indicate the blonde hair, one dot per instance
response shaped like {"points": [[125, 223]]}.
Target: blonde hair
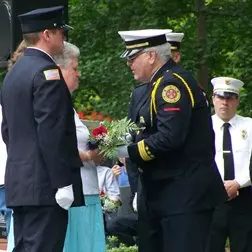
{"points": [[31, 38], [16, 55]]}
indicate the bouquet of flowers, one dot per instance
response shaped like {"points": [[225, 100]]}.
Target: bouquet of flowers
{"points": [[109, 136], [109, 205]]}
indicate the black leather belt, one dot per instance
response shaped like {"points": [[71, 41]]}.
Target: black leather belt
{"points": [[245, 190]]}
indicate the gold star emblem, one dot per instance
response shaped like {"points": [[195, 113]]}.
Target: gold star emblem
{"points": [[227, 82]]}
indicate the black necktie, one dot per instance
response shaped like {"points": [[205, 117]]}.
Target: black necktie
{"points": [[228, 153]]}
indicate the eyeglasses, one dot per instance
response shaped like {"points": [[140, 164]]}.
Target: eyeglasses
{"points": [[134, 56]]}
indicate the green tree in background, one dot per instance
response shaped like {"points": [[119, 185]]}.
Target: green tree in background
{"points": [[217, 42], [96, 25]]}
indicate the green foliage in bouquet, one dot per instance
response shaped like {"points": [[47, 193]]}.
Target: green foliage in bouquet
{"points": [[110, 135], [117, 135], [113, 245], [108, 204]]}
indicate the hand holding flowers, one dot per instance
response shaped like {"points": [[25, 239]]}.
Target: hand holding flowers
{"points": [[112, 138], [93, 155], [108, 204]]}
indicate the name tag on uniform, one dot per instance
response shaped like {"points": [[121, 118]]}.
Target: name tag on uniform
{"points": [[226, 151], [52, 74]]}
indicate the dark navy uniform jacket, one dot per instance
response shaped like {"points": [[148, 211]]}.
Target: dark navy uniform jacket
{"points": [[137, 97], [175, 151], [39, 131]]}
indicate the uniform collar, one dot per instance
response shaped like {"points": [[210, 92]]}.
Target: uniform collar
{"points": [[220, 122], [37, 51], [161, 70]]}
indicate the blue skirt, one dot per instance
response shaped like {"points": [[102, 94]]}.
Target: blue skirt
{"points": [[11, 245], [85, 230]]}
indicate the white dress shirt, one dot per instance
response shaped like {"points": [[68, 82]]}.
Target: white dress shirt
{"points": [[88, 171], [3, 153], [108, 183], [241, 136]]}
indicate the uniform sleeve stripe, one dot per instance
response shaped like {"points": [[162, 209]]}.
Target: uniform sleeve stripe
{"points": [[187, 87], [142, 151]]}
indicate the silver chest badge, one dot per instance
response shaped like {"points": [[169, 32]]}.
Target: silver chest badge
{"points": [[244, 134]]}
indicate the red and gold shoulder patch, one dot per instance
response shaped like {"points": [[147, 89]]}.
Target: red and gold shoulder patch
{"points": [[171, 94]]}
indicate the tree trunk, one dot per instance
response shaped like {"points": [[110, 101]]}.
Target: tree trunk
{"points": [[202, 67]]}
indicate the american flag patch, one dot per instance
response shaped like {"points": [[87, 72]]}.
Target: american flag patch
{"points": [[52, 74]]}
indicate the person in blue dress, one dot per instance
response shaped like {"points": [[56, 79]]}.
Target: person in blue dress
{"points": [[85, 231]]}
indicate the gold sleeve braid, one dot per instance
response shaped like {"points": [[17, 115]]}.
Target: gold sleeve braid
{"points": [[144, 151]]}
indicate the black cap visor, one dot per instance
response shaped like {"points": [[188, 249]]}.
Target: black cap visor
{"points": [[225, 94], [66, 27], [130, 53]]}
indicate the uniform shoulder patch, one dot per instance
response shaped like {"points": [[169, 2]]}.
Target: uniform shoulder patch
{"points": [[171, 94], [52, 74]]}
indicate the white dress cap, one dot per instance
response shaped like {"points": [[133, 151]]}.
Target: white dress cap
{"points": [[174, 36], [137, 40], [174, 39], [225, 85], [141, 34]]}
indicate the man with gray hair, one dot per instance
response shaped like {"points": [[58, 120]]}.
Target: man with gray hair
{"points": [[180, 182]]}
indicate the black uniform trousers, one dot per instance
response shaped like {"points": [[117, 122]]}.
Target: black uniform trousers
{"points": [[186, 232], [39, 229], [233, 220], [124, 228]]}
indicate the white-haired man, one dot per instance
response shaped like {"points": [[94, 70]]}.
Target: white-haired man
{"points": [[137, 94], [125, 227], [180, 181]]}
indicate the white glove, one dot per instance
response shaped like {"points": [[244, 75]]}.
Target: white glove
{"points": [[122, 151], [128, 138], [134, 203], [64, 197]]}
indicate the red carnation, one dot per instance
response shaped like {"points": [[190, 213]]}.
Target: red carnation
{"points": [[99, 131], [102, 193]]}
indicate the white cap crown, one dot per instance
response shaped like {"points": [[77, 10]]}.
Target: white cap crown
{"points": [[223, 85], [137, 40], [142, 34]]}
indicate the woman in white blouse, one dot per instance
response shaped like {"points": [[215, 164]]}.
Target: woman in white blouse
{"points": [[85, 231]]}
